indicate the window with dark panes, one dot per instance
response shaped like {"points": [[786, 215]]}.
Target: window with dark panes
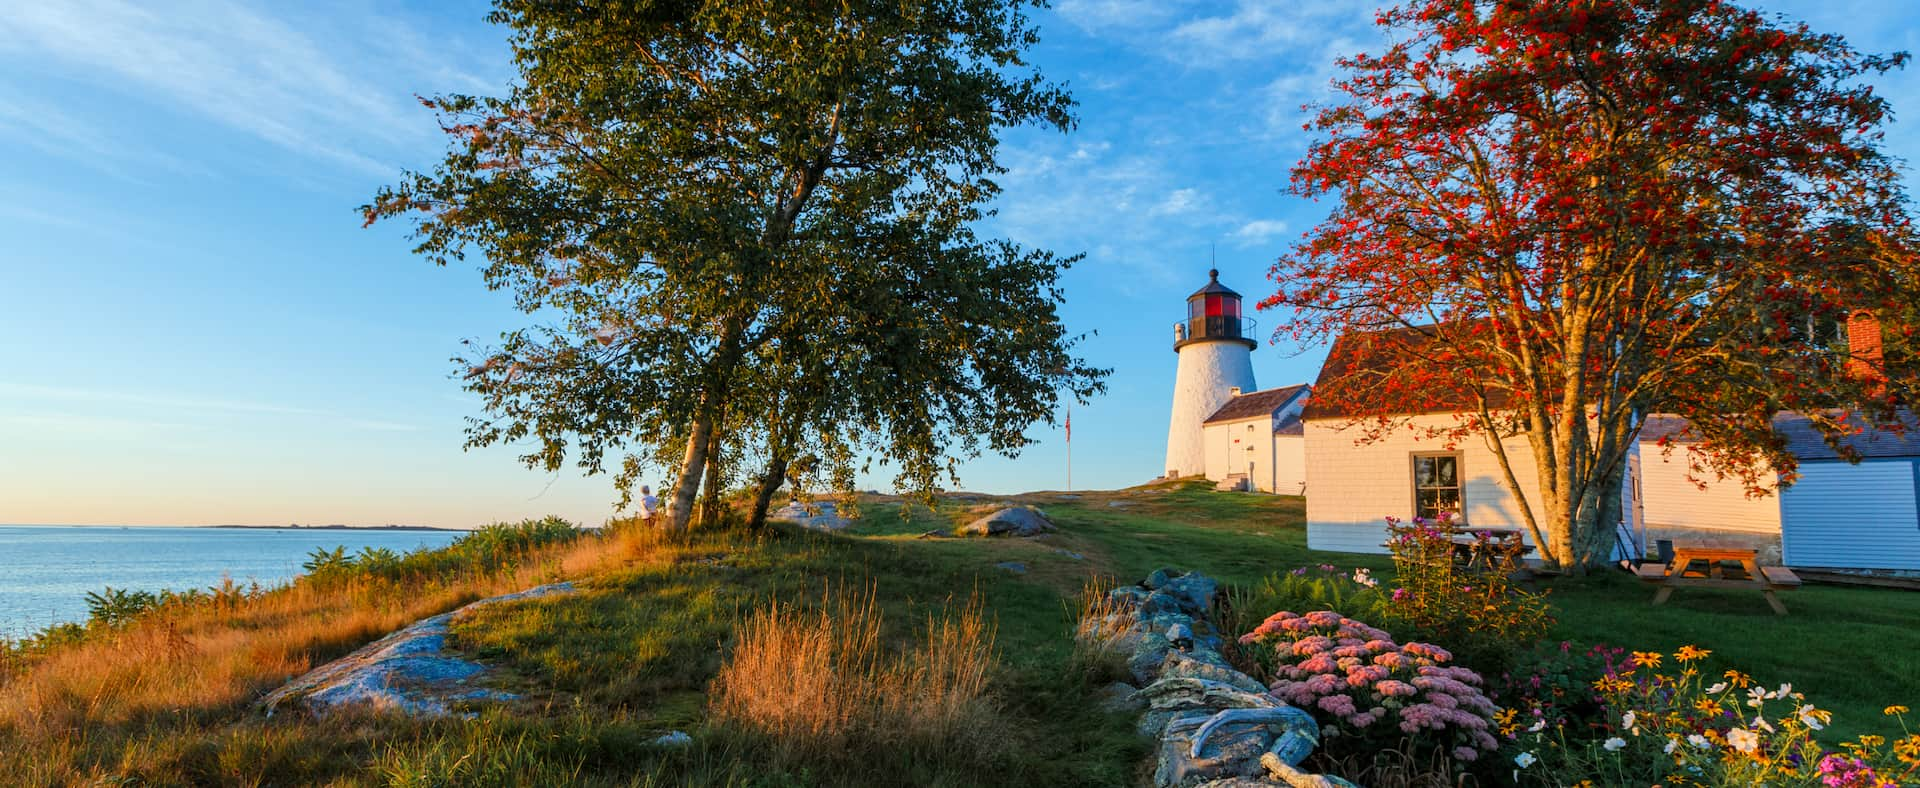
{"points": [[1436, 484]]}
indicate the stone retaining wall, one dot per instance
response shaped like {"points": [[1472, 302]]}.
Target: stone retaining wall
{"points": [[1215, 725]]}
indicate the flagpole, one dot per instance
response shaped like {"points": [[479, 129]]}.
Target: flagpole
{"points": [[1069, 445]]}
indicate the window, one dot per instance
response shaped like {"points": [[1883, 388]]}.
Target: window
{"points": [[1436, 484], [1213, 305]]}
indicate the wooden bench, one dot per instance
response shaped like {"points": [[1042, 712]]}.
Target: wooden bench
{"points": [[1705, 566]]}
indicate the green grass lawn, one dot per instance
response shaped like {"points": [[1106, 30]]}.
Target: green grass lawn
{"points": [[605, 671], [643, 644]]}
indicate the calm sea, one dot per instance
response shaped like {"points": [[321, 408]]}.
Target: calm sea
{"points": [[46, 571]]}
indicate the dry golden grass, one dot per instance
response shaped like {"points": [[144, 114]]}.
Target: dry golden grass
{"points": [[821, 681], [206, 664]]}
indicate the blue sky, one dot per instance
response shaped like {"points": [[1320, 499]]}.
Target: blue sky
{"points": [[194, 328]]}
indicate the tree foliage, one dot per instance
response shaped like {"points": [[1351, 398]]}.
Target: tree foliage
{"points": [[1586, 211], [745, 231]]}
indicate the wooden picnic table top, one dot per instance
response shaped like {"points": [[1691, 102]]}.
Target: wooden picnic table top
{"points": [[1715, 575], [1712, 552]]}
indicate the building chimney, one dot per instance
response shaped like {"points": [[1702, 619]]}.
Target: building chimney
{"points": [[1234, 391], [1865, 358]]}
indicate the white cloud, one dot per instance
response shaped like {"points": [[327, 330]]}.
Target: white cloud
{"points": [[1259, 231], [307, 85], [1179, 202], [179, 403]]}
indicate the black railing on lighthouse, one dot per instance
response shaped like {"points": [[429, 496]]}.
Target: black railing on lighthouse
{"points": [[1197, 329]]}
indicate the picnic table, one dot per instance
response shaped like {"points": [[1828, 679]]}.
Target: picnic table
{"points": [[1488, 548], [1718, 566]]}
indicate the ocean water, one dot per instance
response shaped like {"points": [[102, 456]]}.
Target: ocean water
{"points": [[46, 571]]}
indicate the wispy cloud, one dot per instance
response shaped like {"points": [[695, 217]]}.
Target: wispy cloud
{"points": [[1259, 231], [332, 98], [68, 395], [1180, 202]]}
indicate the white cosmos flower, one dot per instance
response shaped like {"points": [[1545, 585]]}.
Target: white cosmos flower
{"points": [[1698, 741], [1672, 744], [1538, 726], [1614, 744], [1809, 716], [1524, 760], [1717, 688], [1743, 740]]}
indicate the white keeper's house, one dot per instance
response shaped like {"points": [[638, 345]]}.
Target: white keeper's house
{"points": [[1222, 426], [1838, 516]]}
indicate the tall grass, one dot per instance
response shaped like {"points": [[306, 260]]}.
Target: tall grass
{"points": [[820, 683], [68, 710]]}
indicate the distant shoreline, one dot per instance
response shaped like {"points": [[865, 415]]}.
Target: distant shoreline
{"points": [[335, 527]]}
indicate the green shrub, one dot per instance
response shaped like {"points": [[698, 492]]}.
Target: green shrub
{"points": [[1477, 613]]}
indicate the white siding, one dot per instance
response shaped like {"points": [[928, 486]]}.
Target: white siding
{"points": [[1233, 445], [1353, 486], [1203, 380], [1672, 502], [1290, 464], [1852, 516]]}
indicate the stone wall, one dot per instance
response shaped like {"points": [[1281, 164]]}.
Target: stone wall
{"points": [[1215, 725]]}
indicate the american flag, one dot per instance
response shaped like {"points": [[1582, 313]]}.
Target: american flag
{"points": [[1069, 426]]}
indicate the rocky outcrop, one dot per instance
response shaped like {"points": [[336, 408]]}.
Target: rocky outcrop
{"points": [[820, 516], [1215, 725], [1011, 521], [410, 671]]}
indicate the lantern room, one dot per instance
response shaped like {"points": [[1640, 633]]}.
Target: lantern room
{"points": [[1213, 315]]}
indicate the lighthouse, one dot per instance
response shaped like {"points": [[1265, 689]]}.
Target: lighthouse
{"points": [[1216, 364]]}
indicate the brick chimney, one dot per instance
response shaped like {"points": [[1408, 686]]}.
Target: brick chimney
{"points": [[1866, 360]]}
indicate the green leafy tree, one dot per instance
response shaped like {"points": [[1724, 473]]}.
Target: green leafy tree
{"points": [[751, 217]]}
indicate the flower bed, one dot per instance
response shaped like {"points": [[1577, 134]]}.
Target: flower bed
{"points": [[1364, 686], [1687, 725]]}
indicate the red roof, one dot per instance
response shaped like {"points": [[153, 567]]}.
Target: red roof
{"points": [[1396, 372]]}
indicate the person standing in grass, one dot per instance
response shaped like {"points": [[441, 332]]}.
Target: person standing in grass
{"points": [[649, 506]]}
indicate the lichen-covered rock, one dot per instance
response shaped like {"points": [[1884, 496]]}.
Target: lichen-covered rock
{"points": [[409, 671], [1194, 590], [1230, 753], [1011, 521], [1015, 567], [1206, 665], [820, 516], [1148, 651], [1202, 745], [1170, 697]]}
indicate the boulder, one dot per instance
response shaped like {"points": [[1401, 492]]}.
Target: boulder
{"points": [[1194, 590], [1209, 666], [1012, 566], [1146, 653], [1232, 752], [673, 739], [1171, 697], [410, 671], [1202, 745], [820, 516], [1011, 521]]}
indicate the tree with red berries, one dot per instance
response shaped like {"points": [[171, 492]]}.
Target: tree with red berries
{"points": [[1589, 210]]}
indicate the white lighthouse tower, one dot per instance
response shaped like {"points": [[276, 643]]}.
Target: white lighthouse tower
{"points": [[1216, 362]]}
